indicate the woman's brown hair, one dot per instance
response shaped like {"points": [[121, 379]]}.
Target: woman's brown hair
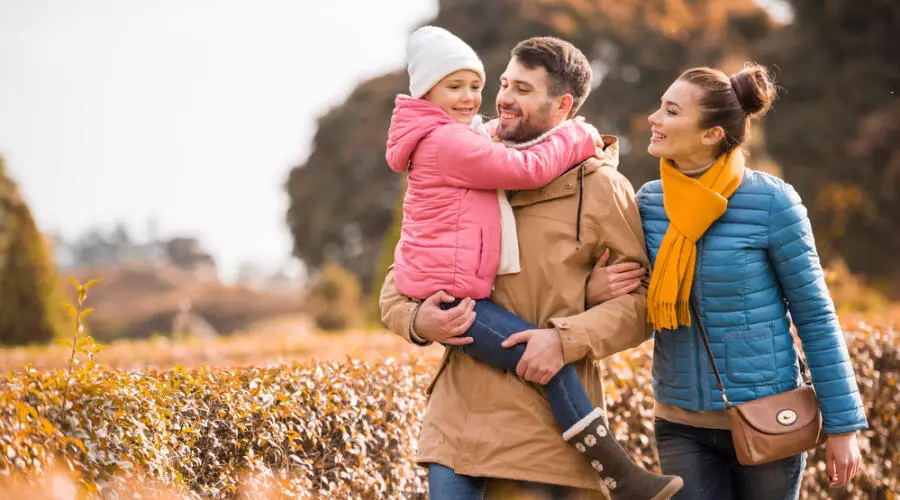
{"points": [[730, 102]]}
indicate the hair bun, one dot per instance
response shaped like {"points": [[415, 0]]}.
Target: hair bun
{"points": [[755, 89]]}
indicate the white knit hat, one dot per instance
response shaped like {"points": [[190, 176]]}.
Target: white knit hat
{"points": [[433, 53]]}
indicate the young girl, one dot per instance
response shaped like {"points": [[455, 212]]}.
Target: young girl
{"points": [[458, 231]]}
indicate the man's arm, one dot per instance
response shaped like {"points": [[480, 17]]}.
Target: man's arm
{"points": [[397, 309], [424, 322], [621, 323]]}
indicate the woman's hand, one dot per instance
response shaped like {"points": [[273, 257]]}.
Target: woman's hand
{"points": [[842, 459], [607, 283]]}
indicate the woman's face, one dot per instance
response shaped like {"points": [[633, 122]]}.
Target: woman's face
{"points": [[674, 127], [458, 94]]}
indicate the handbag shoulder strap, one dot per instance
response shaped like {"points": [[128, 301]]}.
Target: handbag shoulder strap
{"points": [[712, 359], [801, 357], [804, 369]]}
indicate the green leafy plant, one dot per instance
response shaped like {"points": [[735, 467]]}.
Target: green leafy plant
{"points": [[79, 343]]}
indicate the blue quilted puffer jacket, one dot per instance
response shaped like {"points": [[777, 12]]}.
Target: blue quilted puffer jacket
{"points": [[754, 265]]}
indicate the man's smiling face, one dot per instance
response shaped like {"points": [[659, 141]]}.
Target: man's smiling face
{"points": [[523, 103]]}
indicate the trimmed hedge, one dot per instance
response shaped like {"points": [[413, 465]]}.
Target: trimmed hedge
{"points": [[328, 430], [337, 430]]}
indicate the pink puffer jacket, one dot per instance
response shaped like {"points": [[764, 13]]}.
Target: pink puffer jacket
{"points": [[450, 237]]}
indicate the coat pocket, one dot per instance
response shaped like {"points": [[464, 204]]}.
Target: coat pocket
{"points": [[750, 356], [483, 256], [444, 360]]}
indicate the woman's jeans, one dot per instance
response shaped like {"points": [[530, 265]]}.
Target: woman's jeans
{"points": [[706, 460], [493, 324], [444, 484]]}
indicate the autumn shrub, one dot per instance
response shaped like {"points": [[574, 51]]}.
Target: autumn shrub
{"points": [[329, 430], [853, 292], [332, 430], [334, 298]]}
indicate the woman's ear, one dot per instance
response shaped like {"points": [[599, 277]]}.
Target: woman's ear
{"points": [[713, 136]]}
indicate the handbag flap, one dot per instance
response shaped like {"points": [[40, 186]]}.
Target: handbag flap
{"points": [[781, 413]]}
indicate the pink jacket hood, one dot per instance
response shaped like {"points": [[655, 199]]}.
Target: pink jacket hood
{"points": [[412, 120]]}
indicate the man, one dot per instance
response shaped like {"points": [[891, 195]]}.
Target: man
{"points": [[484, 422]]}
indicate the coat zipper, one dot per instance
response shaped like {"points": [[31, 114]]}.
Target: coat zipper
{"points": [[697, 354]]}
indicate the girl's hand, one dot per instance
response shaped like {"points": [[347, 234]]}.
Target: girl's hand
{"points": [[842, 459], [599, 146]]}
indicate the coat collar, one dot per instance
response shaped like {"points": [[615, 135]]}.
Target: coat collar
{"points": [[568, 183], [561, 187]]}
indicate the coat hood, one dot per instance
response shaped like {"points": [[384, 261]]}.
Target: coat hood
{"points": [[412, 121]]}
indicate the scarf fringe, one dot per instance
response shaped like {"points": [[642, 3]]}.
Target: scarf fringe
{"points": [[670, 315]]}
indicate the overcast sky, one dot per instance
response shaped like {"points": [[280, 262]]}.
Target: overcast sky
{"points": [[190, 111]]}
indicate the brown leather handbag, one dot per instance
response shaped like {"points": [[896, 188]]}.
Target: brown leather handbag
{"points": [[773, 427]]}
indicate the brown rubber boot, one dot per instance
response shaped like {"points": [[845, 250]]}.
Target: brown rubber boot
{"points": [[624, 479]]}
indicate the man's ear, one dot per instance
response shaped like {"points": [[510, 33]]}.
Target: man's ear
{"points": [[563, 104], [712, 136]]}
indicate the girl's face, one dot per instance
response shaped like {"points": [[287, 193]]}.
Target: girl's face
{"points": [[458, 94], [675, 128]]}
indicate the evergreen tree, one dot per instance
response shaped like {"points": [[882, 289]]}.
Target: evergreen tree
{"points": [[31, 303]]}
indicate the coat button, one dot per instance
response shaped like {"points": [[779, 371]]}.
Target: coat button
{"points": [[568, 338], [564, 325], [569, 186]]}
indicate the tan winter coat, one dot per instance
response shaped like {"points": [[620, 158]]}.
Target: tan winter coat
{"points": [[483, 421]]}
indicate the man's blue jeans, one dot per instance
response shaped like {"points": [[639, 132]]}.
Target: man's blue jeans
{"points": [[706, 460], [444, 484], [493, 324]]}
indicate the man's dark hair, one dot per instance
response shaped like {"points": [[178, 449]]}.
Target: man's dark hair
{"points": [[567, 67]]}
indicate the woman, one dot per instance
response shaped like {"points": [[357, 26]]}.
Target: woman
{"points": [[740, 246]]}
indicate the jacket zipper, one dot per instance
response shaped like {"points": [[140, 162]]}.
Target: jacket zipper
{"points": [[697, 354]]}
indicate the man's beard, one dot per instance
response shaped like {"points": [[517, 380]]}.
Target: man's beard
{"points": [[527, 128]]}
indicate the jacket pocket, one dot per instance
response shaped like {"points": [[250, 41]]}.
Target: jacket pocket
{"points": [[664, 356], [750, 356], [444, 360], [483, 256]]}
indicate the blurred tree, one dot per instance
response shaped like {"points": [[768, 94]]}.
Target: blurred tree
{"points": [[31, 304], [835, 129], [370, 309], [342, 201]]}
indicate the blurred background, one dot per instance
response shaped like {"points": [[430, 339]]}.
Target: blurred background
{"points": [[219, 165]]}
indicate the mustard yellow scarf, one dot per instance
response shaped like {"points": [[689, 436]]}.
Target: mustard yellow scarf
{"points": [[692, 206]]}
